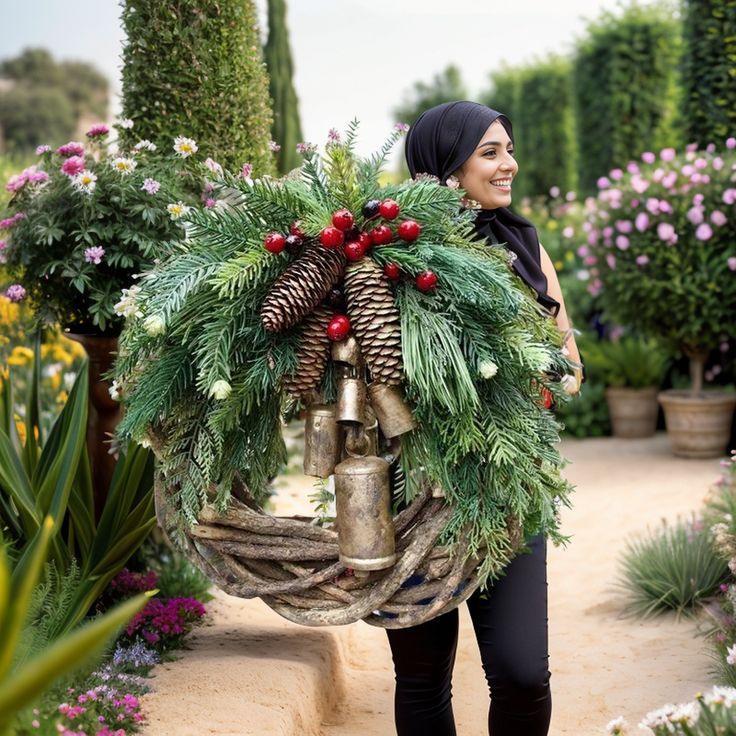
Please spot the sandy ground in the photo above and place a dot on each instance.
(251, 672)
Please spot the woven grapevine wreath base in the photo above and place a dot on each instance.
(294, 566)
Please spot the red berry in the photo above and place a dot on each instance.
(381, 235)
(389, 209)
(331, 237)
(296, 229)
(409, 230)
(426, 280)
(354, 251)
(547, 397)
(338, 328)
(274, 242)
(365, 240)
(351, 234)
(343, 219)
(392, 271)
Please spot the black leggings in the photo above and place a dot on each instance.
(510, 624)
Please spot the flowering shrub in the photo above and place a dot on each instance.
(86, 218)
(127, 583)
(164, 624)
(709, 714)
(661, 237)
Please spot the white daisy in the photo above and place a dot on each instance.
(123, 165)
(85, 181)
(145, 145)
(177, 210)
(185, 147)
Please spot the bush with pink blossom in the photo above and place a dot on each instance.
(662, 241)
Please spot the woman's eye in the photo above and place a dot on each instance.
(511, 151)
(490, 153)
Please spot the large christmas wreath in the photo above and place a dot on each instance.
(328, 294)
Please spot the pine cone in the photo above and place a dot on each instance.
(301, 287)
(313, 351)
(375, 320)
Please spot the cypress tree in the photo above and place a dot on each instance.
(709, 70)
(286, 129)
(194, 68)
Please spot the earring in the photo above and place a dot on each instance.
(452, 182)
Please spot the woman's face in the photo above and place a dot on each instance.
(486, 175)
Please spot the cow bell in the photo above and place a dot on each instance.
(394, 415)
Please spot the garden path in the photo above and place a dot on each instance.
(251, 672)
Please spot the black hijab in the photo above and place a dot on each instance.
(438, 143)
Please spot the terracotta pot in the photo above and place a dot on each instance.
(633, 411)
(103, 415)
(698, 425)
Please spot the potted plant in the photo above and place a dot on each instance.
(662, 235)
(631, 368)
(79, 226)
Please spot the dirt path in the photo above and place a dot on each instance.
(252, 673)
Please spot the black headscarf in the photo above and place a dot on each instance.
(439, 143)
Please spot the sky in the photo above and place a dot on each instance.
(353, 58)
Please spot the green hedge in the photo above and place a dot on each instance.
(286, 129)
(624, 89)
(194, 68)
(709, 69)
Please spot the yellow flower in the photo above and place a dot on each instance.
(9, 311)
(21, 431)
(20, 356)
(559, 265)
(552, 225)
(569, 256)
(55, 380)
(62, 397)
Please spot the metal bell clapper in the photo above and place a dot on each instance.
(394, 415)
(365, 534)
(322, 441)
(362, 439)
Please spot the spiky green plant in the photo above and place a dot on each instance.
(205, 385)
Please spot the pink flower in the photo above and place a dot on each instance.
(641, 223)
(695, 215)
(669, 179)
(590, 260)
(43, 148)
(603, 182)
(98, 130)
(73, 148)
(632, 167)
(94, 254)
(570, 196)
(273, 146)
(607, 232)
(246, 171)
(730, 142)
(582, 251)
(73, 165)
(305, 147)
(642, 260)
(704, 232)
(710, 147)
(213, 166)
(718, 163)
(639, 184)
(592, 237)
(718, 218)
(401, 127)
(691, 147)
(333, 135)
(732, 263)
(729, 196)
(700, 163)
(209, 203)
(652, 205)
(665, 231)
(698, 199)
(624, 226)
(611, 261)
(634, 203)
(15, 292)
(667, 154)
(622, 242)
(568, 231)
(688, 170)
(648, 157)
(616, 174)
(658, 174)
(665, 207)
(16, 182)
(151, 186)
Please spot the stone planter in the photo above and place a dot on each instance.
(698, 425)
(633, 411)
(103, 414)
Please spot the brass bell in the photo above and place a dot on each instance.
(322, 441)
(394, 415)
(351, 398)
(346, 351)
(365, 527)
(362, 440)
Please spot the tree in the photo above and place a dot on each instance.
(194, 68)
(445, 86)
(286, 129)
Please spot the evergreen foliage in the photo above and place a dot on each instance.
(488, 442)
(286, 129)
(624, 89)
(709, 69)
(194, 68)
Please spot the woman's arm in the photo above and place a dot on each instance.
(563, 322)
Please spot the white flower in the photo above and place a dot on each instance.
(123, 165)
(126, 123)
(721, 696)
(177, 210)
(145, 145)
(569, 384)
(617, 727)
(660, 717)
(185, 147)
(114, 391)
(85, 181)
(154, 325)
(487, 369)
(220, 390)
(144, 442)
(128, 306)
(686, 714)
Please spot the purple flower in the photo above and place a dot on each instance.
(592, 237)
(731, 261)
(333, 136)
(688, 170)
(700, 163)
(622, 242)
(209, 203)
(669, 179)
(648, 157)
(691, 147)
(665, 231)
(15, 292)
(615, 174)
(665, 207)
(603, 182)
(652, 205)
(718, 218)
(704, 232)
(730, 142)
(246, 171)
(583, 251)
(36, 177)
(642, 260)
(16, 182)
(8, 222)
(611, 261)
(710, 147)
(632, 167)
(698, 199)
(98, 130)
(695, 214)
(401, 127)
(729, 196)
(607, 232)
(94, 254)
(273, 146)
(73, 165)
(43, 148)
(73, 148)
(667, 154)
(151, 186)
